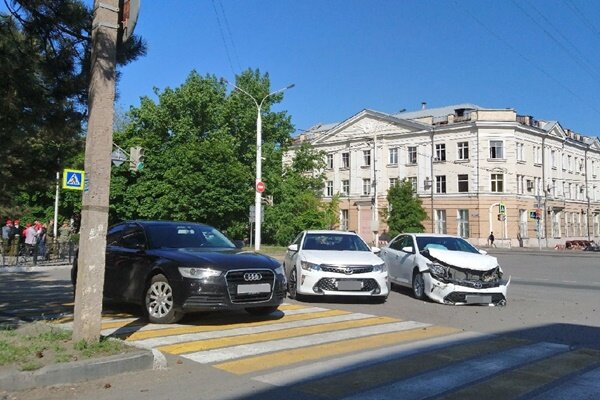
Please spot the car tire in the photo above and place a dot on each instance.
(261, 310)
(418, 286)
(159, 305)
(293, 285)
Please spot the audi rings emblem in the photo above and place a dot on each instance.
(477, 285)
(252, 276)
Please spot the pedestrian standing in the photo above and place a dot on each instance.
(491, 239)
(41, 241)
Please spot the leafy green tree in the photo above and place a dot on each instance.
(200, 152)
(44, 64)
(406, 211)
(297, 199)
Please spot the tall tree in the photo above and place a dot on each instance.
(406, 212)
(44, 64)
(200, 147)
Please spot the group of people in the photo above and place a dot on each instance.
(30, 239)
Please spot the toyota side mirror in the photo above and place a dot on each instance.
(293, 247)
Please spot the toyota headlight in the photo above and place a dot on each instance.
(198, 273)
(379, 268)
(308, 266)
(437, 269)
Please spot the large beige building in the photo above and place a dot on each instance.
(465, 163)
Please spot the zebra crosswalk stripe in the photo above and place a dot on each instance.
(245, 350)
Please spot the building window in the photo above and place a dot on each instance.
(496, 149)
(412, 155)
(345, 160)
(570, 164)
(556, 233)
(393, 182)
(463, 150)
(537, 154)
(346, 187)
(440, 221)
(366, 158)
(463, 223)
(463, 183)
(519, 184)
(520, 152)
(553, 160)
(330, 161)
(393, 159)
(440, 184)
(497, 183)
(329, 188)
(413, 182)
(440, 152)
(344, 220)
(366, 186)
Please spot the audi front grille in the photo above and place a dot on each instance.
(249, 277)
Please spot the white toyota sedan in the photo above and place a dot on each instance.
(322, 262)
(447, 269)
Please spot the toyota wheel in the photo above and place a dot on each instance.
(418, 286)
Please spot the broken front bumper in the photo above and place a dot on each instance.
(452, 293)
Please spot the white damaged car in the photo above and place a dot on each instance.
(320, 262)
(447, 269)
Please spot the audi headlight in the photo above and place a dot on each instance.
(437, 269)
(310, 266)
(379, 268)
(198, 273)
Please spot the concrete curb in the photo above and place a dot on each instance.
(80, 371)
(37, 268)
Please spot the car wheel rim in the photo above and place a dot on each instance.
(292, 283)
(419, 285)
(159, 300)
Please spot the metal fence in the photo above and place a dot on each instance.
(21, 254)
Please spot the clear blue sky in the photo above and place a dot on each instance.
(540, 57)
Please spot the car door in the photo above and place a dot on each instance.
(391, 257)
(113, 238)
(129, 262)
(291, 257)
(406, 260)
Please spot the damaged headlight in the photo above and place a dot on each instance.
(437, 269)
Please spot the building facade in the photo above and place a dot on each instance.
(476, 170)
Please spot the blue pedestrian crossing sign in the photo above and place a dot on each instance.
(73, 179)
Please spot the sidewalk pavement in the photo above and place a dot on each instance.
(77, 371)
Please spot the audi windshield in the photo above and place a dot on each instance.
(187, 236)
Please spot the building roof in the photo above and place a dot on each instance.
(436, 112)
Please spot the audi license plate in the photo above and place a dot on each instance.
(349, 285)
(478, 299)
(254, 288)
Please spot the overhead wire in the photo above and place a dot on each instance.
(223, 38)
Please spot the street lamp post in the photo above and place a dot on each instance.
(258, 194)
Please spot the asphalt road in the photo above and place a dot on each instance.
(548, 344)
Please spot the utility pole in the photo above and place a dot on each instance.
(98, 147)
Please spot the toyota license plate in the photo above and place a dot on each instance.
(478, 299)
(254, 288)
(349, 285)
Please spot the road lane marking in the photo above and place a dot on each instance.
(520, 381)
(289, 357)
(192, 337)
(245, 350)
(452, 376)
(228, 323)
(230, 341)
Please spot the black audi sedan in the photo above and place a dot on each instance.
(171, 268)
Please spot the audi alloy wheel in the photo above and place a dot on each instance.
(159, 304)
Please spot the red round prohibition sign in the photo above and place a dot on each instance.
(260, 187)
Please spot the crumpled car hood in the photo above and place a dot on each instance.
(462, 259)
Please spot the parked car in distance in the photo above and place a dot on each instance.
(320, 262)
(446, 269)
(171, 268)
